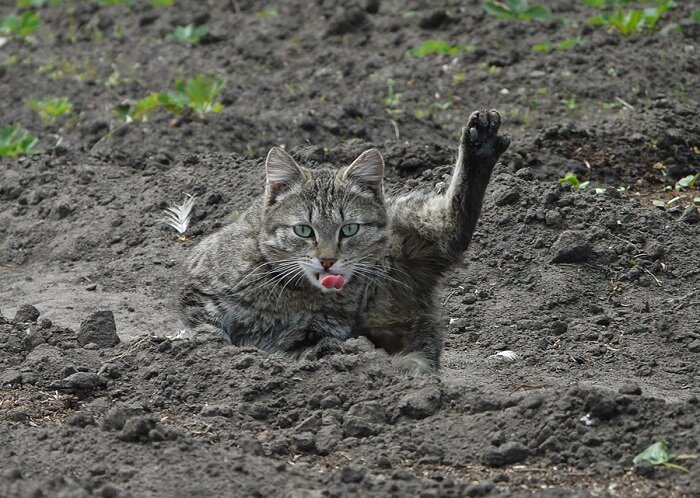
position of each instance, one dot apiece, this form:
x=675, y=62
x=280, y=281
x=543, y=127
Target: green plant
x=571, y=179
x=106, y=3
x=606, y=3
x=14, y=140
x=432, y=109
x=392, y=99
x=189, y=34
x=517, y=9
x=696, y=15
x=50, y=109
x=267, y=13
x=130, y=3
x=666, y=204
x=629, y=21
x=198, y=94
x=563, y=45
x=659, y=454
x=20, y=25
x=570, y=103
x=36, y=3
x=687, y=182
x=429, y=47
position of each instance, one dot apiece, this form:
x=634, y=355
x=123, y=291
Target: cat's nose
x=327, y=263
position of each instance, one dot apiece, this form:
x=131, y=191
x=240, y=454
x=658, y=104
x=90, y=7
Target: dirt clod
x=506, y=454
x=100, y=329
x=26, y=313
x=571, y=247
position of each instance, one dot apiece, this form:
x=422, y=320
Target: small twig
x=132, y=348
x=524, y=387
x=610, y=348
x=653, y=276
x=682, y=298
x=396, y=129
x=626, y=241
x=686, y=305
x=625, y=104
x=459, y=288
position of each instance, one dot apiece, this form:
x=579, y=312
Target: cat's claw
x=480, y=137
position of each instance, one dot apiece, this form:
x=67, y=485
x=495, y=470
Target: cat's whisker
x=291, y=273
x=254, y=270
x=277, y=276
x=282, y=263
x=299, y=273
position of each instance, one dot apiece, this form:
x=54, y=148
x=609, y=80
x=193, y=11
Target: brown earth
x=597, y=292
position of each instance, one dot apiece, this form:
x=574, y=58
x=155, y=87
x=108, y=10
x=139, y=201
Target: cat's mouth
x=331, y=281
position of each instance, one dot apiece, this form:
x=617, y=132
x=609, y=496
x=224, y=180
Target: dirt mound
x=94, y=419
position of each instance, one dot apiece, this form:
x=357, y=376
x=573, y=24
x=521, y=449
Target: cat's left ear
x=367, y=169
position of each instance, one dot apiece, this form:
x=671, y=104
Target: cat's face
x=326, y=227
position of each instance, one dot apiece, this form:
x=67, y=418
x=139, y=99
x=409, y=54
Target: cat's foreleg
x=479, y=150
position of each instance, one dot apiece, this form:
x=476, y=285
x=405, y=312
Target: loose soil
x=598, y=293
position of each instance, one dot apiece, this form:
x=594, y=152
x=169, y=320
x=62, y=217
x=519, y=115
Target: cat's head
x=328, y=227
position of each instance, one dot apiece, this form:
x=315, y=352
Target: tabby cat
x=323, y=256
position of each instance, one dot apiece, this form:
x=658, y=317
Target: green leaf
x=498, y=11
x=537, y=12
x=50, y=108
x=146, y=106
x=696, y=200
x=542, y=47
x=161, y=3
x=19, y=25
x=570, y=42
x=696, y=15
x=660, y=204
x=36, y=3
x=189, y=33
x=173, y=103
x=687, y=181
x=122, y=111
x=656, y=454
x=659, y=454
x=570, y=179
x=15, y=141
x=267, y=13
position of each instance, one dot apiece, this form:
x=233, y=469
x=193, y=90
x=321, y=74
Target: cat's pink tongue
x=332, y=281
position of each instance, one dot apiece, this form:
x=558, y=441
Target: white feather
x=178, y=217
x=508, y=355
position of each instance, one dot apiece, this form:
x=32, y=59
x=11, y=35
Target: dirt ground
x=597, y=291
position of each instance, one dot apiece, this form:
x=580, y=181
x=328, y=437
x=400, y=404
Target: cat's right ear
x=367, y=169
x=281, y=171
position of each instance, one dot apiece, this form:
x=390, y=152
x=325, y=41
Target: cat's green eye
x=350, y=229
x=303, y=231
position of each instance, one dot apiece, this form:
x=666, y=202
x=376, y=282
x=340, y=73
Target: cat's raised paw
x=480, y=137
